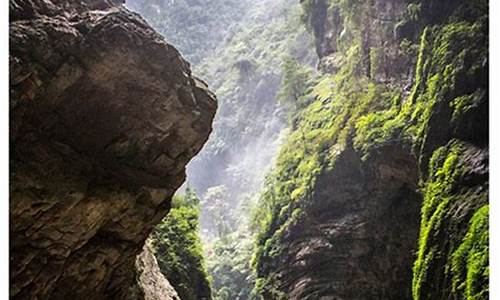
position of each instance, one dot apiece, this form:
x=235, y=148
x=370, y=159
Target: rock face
x=153, y=284
x=104, y=116
x=393, y=202
x=356, y=239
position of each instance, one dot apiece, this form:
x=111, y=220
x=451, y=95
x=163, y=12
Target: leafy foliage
x=194, y=27
x=229, y=265
x=295, y=82
x=218, y=215
x=178, y=249
x=245, y=72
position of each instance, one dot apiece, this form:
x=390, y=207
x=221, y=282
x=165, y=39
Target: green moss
x=267, y=287
x=443, y=194
x=470, y=262
x=463, y=104
x=444, y=171
x=443, y=60
x=340, y=104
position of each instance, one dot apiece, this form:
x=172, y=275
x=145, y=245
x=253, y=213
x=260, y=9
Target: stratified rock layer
x=104, y=116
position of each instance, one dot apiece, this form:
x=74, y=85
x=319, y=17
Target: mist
x=239, y=49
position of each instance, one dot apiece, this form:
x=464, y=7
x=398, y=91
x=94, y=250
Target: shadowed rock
x=104, y=116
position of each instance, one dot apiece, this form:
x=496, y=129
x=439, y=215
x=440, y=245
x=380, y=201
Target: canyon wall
x=381, y=191
x=104, y=117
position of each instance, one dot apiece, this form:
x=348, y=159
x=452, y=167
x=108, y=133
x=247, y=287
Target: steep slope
x=389, y=142
x=104, y=116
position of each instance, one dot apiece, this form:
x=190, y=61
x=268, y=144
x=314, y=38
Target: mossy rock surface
x=427, y=132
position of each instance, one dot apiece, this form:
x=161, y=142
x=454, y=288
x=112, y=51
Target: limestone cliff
x=381, y=191
x=104, y=116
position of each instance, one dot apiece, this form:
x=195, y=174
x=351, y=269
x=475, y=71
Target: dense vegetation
x=178, y=248
x=364, y=105
x=195, y=27
x=228, y=262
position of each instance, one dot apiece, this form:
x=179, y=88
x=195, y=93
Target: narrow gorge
x=249, y=149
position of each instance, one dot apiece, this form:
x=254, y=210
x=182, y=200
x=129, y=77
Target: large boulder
x=104, y=116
